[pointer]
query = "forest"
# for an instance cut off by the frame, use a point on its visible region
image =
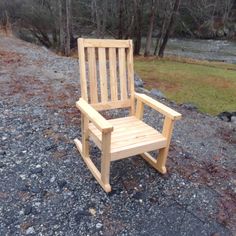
(57, 24)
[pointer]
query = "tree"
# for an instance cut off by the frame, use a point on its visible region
(169, 28)
(68, 27)
(138, 17)
(100, 11)
(150, 28)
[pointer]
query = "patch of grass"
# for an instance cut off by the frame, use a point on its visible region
(211, 86)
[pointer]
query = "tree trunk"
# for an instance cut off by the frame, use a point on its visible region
(160, 38)
(150, 29)
(98, 20)
(104, 18)
(68, 27)
(138, 26)
(169, 29)
(61, 27)
(121, 23)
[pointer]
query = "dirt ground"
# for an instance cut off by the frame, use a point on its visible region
(46, 189)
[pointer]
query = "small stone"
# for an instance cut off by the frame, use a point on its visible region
(51, 147)
(92, 211)
(157, 93)
(61, 183)
(52, 179)
(21, 212)
(138, 195)
(37, 170)
(80, 215)
(2, 165)
(225, 116)
(28, 210)
(233, 119)
(30, 230)
(4, 138)
(98, 225)
(3, 153)
(23, 177)
(35, 190)
(23, 188)
(37, 204)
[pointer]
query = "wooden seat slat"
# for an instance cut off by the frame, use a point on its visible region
(129, 132)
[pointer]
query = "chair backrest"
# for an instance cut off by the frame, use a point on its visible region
(106, 72)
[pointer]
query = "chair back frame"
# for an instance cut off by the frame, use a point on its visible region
(106, 73)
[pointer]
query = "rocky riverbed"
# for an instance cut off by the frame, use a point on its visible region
(46, 189)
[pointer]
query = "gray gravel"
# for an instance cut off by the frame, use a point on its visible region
(46, 189)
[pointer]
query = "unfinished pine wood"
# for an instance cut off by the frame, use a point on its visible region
(130, 70)
(130, 135)
(106, 157)
(163, 109)
(85, 135)
(112, 105)
(139, 109)
(122, 73)
(92, 75)
(103, 74)
(83, 81)
(122, 137)
(113, 74)
(118, 64)
(107, 43)
(101, 123)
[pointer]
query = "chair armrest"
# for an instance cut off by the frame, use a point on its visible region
(163, 109)
(98, 120)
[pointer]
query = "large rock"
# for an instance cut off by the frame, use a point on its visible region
(228, 116)
(138, 82)
(189, 106)
(158, 93)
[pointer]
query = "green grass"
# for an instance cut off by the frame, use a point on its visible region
(211, 86)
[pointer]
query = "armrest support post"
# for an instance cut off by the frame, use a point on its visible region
(166, 111)
(139, 110)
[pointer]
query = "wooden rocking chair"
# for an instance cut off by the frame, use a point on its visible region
(122, 137)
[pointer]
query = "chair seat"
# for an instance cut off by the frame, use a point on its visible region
(130, 136)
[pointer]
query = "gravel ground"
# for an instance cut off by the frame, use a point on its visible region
(46, 189)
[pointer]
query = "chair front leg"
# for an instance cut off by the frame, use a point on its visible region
(106, 160)
(163, 153)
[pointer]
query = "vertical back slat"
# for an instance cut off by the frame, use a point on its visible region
(102, 73)
(113, 74)
(130, 70)
(122, 73)
(92, 75)
(83, 82)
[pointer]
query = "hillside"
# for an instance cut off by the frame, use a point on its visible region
(46, 187)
